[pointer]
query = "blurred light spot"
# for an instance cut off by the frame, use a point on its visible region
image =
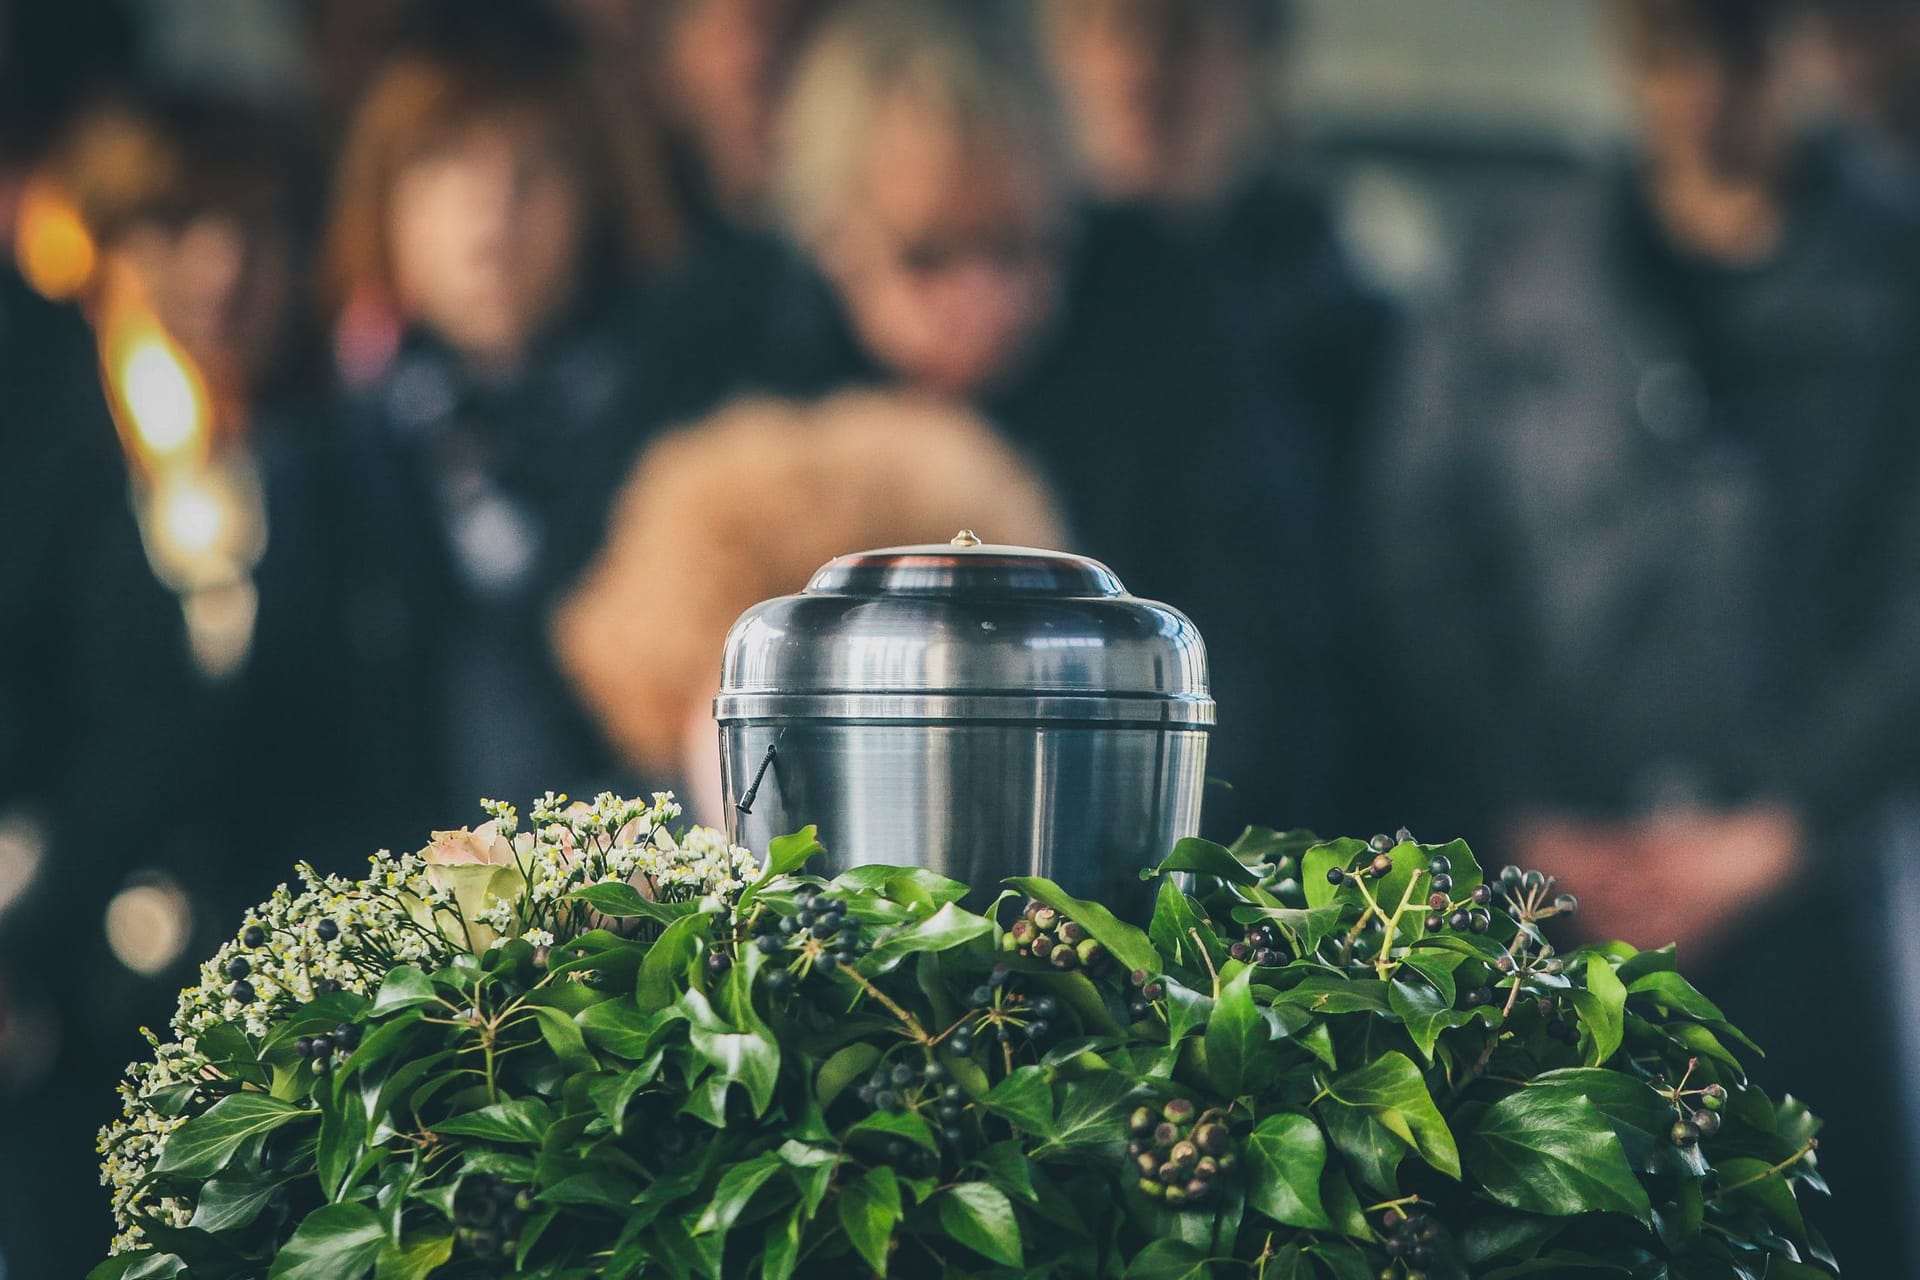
(148, 925)
(160, 395)
(51, 245)
(192, 517)
(23, 847)
(220, 625)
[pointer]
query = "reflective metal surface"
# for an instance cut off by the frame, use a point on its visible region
(982, 711)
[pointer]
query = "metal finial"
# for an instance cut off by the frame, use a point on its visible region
(965, 538)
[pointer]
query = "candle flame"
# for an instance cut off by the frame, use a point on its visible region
(159, 399)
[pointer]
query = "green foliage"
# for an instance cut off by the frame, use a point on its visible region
(802, 1078)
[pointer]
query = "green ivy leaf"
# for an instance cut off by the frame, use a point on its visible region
(1743, 1180)
(203, 1145)
(227, 1204)
(334, 1242)
(1173, 926)
(848, 1063)
(1086, 1116)
(1552, 1152)
(906, 1125)
(1204, 857)
(1602, 1009)
(1640, 1115)
(869, 1210)
(1426, 1011)
(1169, 1260)
(1026, 1098)
(1132, 948)
(622, 901)
(747, 1057)
(1367, 1147)
(1288, 1153)
(1323, 858)
(1236, 1037)
(403, 988)
(517, 1120)
(414, 1260)
(1392, 1091)
(945, 929)
(664, 969)
(979, 1216)
(736, 1189)
(1007, 1164)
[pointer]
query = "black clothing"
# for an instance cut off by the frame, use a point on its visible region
(1144, 415)
(401, 669)
(1653, 536)
(103, 745)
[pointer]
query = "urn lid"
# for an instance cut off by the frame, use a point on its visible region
(965, 630)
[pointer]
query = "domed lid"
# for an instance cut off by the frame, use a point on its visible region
(965, 630)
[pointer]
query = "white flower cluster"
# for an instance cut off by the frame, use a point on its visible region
(466, 891)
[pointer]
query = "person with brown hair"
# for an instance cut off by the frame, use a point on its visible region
(491, 229)
(744, 506)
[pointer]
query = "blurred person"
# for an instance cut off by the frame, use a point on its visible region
(1875, 47)
(188, 199)
(1170, 103)
(104, 764)
(721, 69)
(743, 507)
(401, 669)
(931, 244)
(1650, 531)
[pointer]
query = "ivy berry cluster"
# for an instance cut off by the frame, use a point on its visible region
(929, 1090)
(1466, 915)
(323, 1052)
(818, 930)
(1408, 1239)
(1180, 1152)
(1046, 934)
(1698, 1109)
(998, 1004)
(488, 1214)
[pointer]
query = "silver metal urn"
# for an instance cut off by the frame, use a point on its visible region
(981, 711)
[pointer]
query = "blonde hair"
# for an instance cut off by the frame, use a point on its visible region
(971, 62)
(745, 506)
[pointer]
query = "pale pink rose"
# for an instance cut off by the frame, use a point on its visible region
(484, 845)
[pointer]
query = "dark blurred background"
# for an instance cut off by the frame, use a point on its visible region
(399, 399)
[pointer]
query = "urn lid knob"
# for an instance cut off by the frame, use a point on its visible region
(965, 538)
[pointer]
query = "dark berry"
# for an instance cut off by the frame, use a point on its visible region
(1533, 882)
(1547, 1006)
(254, 936)
(902, 1075)
(961, 1042)
(886, 1100)
(846, 958)
(1707, 1122)
(1420, 1255)
(718, 963)
(779, 980)
(1239, 950)
(1443, 883)
(770, 944)
(1481, 895)
(238, 967)
(328, 930)
(1178, 1110)
(322, 1046)
(1038, 1028)
(953, 1093)
(304, 1046)
(1335, 875)
(933, 1072)
(1382, 866)
(948, 1112)
(347, 1035)
(1154, 990)
(1511, 876)
(1566, 904)
(1459, 921)
(953, 1136)
(826, 961)
(1441, 865)
(1380, 844)
(1480, 919)
(1046, 1007)
(1435, 922)
(1391, 1219)
(241, 992)
(1211, 1138)
(322, 1065)
(789, 924)
(1138, 1009)
(1438, 902)
(1685, 1133)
